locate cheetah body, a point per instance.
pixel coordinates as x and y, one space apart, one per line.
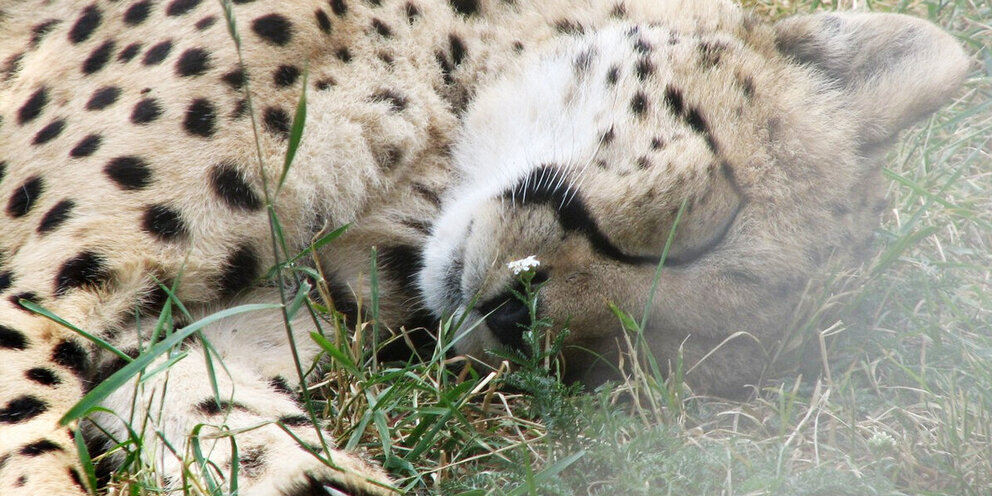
138 152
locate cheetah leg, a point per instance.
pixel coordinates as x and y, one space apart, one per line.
176 410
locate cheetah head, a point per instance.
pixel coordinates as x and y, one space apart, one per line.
768 138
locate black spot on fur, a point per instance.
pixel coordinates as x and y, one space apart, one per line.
583 62
673 99
412 12
49 132
87 22
146 111
70 355
193 62
458 50
285 75
323 22
41 30
612 75
98 57
698 124
382 28
343 54
12 339
338 7
157 53
76 479
396 102
711 52
39 448
164 223
84 270
205 23
747 86
211 406
657 143
608 136
3 172
273 28
619 11
442 62
27 296
130 173
56 216
276 121
200 118
465 7
103 97
43 376
25 197
86 147
639 104
33 106
180 7
6 280
240 108
240 269
567 26
235 79
696 121
137 13
643 162
129 52
295 420
644 69
279 384
228 184
21 409
642 47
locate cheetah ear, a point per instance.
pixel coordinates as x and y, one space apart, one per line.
893 68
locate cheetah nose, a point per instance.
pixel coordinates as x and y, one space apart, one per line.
508 321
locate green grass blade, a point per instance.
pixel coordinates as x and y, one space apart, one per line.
295 131
336 354
85 460
44 312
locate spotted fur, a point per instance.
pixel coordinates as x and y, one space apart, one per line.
138 151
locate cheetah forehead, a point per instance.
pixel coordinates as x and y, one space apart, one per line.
625 103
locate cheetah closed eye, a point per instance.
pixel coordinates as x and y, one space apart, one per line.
140 147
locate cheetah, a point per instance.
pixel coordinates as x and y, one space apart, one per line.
143 158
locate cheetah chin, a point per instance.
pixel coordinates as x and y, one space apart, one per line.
143 146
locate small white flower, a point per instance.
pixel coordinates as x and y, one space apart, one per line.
523 265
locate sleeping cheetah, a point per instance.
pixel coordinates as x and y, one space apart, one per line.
142 152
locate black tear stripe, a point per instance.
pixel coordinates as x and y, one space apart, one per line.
540 188
692 255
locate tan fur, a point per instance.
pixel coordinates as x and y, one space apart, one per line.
402 100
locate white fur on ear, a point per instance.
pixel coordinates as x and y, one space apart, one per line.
895 69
